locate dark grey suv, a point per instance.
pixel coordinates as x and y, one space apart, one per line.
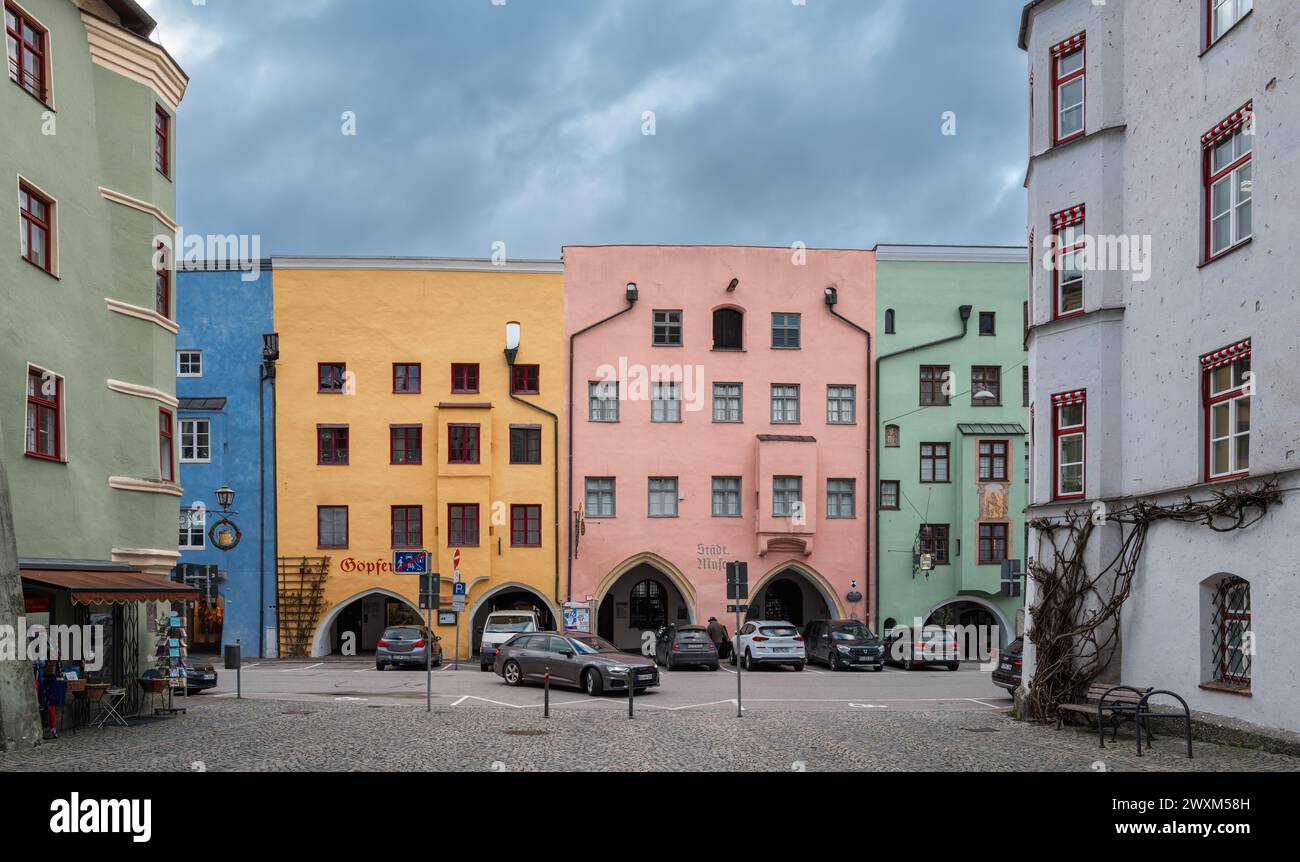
579 660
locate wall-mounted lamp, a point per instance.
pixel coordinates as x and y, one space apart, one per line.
735 283
631 291
225 498
270 347
513 335
832 296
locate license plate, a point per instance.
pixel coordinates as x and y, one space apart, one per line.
207 676
785 649
1005 666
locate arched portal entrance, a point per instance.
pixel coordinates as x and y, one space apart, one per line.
509 597
793 593
976 620
361 620
642 595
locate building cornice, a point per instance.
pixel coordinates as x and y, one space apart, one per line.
1034 158
147 486
143 392
952 253
438 264
131 56
148 314
143 206
1107 314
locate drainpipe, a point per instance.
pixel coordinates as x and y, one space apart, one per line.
555 467
265 374
631 296
832 297
964 312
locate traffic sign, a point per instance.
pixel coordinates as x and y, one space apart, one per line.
455 558
459 588
430 587
458 603
737 609
737 580
410 562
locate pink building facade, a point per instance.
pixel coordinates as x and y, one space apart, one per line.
720 410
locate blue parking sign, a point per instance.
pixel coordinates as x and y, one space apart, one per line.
459 588
411 562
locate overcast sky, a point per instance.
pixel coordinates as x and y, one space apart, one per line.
522 121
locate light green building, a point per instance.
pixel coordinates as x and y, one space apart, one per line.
88 429
952 439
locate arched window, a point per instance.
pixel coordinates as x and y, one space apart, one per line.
648 607
1231 643
728 329
891 436
889 321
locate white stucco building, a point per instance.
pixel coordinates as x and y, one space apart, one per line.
1176 371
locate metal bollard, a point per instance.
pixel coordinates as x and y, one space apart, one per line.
546 695
631 693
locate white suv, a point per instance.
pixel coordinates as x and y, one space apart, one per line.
769 642
500 627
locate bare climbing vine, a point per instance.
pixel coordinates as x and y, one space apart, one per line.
1076 615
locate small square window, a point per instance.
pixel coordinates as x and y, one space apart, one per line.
602 401
332 444
667 328
726 496
525 444
464 377
462 525
600 500
988 323
408 526
526 379
785 330
330 377
406 378
331 526
663 497
405 444
196 441
841 498
462 444
889 494
189 363
526 526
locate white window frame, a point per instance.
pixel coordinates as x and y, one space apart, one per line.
602 401
184 433
723 402
599 487
787 496
1238 8
726 496
1233 398
657 504
666 401
838 395
1239 201
180 372
188 545
837 491
784 394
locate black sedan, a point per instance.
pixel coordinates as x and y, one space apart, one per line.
578 660
843 644
1010 666
198 677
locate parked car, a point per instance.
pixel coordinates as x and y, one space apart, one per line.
407 646
930 645
500 627
579 660
1010 666
762 642
685 646
841 644
198 677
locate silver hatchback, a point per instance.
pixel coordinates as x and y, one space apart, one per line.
407 646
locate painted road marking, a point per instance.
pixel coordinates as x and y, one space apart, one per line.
867 706
982 703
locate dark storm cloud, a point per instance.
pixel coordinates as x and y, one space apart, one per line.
477 123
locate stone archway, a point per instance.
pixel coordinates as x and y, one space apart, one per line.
322 641
1006 629
500 595
776 590
642 594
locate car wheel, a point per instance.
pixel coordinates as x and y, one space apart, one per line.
379 665
907 664
591 682
512 673
954 665
799 666
733 658
749 661
879 668
715 666
833 661
485 667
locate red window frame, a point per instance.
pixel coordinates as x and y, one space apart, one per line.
330 377
166 446
405 522
464 377
162 136
939 452
1060 401
37 88
347 526
406 378
999 453
526 526
1076 44
27 220
462 443
525 379
1238 122
412 437
466 515
162 284
995 540
1238 352
37 404
337 447
1074 217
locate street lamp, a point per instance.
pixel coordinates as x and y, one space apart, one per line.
512 342
225 498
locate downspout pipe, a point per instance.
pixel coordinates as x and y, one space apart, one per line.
964 312
261 510
832 297
631 297
555 468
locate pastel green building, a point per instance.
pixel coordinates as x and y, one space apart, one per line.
951 443
87 323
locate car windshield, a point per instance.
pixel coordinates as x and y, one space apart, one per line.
591 645
694 635
778 631
851 632
509 624
402 634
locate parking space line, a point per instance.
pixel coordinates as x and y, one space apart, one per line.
982 703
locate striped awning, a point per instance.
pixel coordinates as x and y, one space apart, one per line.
1065 46
1064 399
1228 125
1225 355
1067 217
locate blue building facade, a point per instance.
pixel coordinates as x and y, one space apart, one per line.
223 440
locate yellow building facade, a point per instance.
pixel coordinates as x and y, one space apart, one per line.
401 425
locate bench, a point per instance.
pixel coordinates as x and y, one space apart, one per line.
1118 703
